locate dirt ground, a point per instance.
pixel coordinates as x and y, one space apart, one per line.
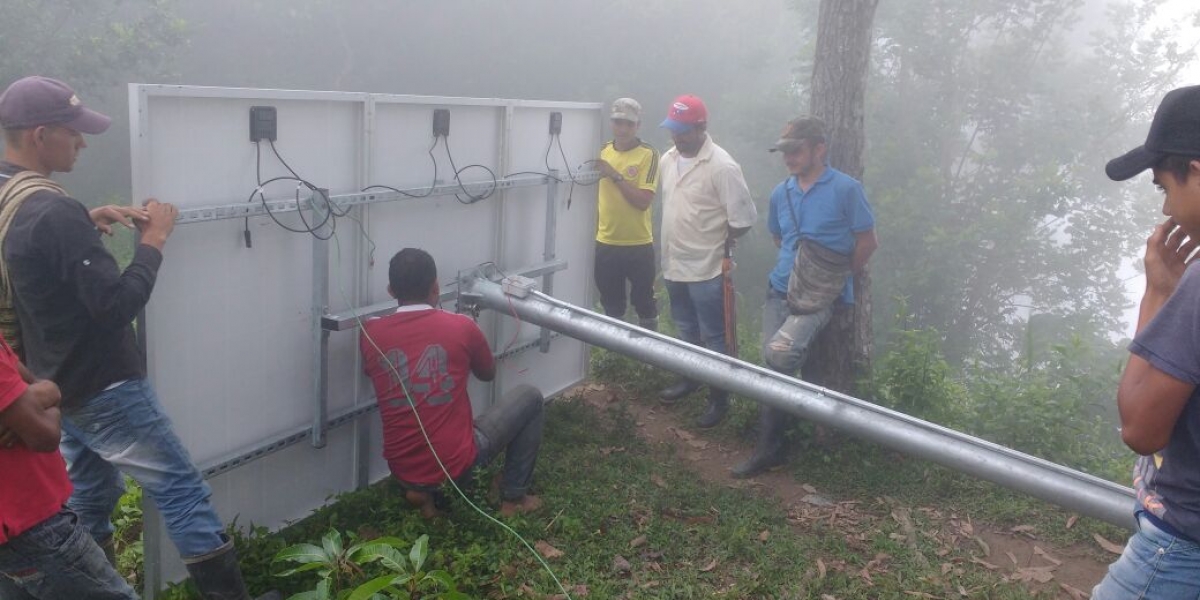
1015 553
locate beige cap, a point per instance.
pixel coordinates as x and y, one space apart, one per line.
627 109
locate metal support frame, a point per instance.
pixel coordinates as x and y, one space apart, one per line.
320 305
1074 490
549 247
344 202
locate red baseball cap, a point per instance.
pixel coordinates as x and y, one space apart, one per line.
35 101
686 112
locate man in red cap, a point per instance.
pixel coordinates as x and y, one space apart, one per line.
706 204
68 309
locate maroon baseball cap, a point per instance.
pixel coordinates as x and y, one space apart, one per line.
35 101
685 113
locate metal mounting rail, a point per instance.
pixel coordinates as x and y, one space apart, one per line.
1074 490
349 319
254 207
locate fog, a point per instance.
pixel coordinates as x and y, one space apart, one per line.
987 124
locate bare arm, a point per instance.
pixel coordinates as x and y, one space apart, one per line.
865 244
1149 400
634 195
33 419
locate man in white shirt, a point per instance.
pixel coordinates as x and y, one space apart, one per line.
706 204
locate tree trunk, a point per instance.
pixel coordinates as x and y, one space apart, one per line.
839 82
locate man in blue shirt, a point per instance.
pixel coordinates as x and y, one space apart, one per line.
825 233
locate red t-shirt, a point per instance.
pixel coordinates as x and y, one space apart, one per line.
33 485
431 351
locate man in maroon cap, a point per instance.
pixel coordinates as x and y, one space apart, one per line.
706 204
68 309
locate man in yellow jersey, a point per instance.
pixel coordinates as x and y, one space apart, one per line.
624 242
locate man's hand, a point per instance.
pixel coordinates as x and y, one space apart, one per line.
106 216
605 169
8 438
1167 253
159 224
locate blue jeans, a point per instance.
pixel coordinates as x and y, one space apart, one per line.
698 309
513 426
124 429
787 337
58 560
1154 565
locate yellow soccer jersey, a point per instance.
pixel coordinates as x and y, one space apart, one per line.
620 223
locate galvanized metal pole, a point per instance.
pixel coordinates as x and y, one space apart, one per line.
1054 483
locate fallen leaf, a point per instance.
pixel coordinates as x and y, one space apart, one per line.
1071 521
987 550
828 597
658 480
1025 529
698 444
1107 545
1042 553
1038 574
1075 593
985 564
710 566
621 565
638 541
547 551
968 529
920 594
820 569
808 488
607 451
764 536
1012 557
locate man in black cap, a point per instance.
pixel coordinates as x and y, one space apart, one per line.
1157 397
68 309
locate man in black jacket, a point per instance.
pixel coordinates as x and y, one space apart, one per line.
73 311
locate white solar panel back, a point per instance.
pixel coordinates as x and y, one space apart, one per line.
230 337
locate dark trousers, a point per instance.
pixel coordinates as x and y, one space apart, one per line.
617 264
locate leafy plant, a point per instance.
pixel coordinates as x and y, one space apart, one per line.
341 567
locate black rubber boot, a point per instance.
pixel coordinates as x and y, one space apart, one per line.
768 451
718 407
218 576
677 390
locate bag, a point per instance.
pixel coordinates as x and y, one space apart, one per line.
818 277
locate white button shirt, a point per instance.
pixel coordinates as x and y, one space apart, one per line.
701 201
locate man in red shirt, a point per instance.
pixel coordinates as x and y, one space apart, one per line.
419 360
44 552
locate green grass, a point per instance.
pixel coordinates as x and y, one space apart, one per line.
605 488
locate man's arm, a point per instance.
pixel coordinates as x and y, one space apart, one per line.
637 197
865 244
1148 399
33 418
112 297
483 364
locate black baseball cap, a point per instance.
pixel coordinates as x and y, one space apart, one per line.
35 101
1174 130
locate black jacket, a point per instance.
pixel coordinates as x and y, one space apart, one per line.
75 306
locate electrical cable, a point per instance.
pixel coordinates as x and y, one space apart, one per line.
425 434
473 197
432 184
329 205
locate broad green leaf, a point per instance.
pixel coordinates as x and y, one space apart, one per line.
419 552
370 588
332 542
302 553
